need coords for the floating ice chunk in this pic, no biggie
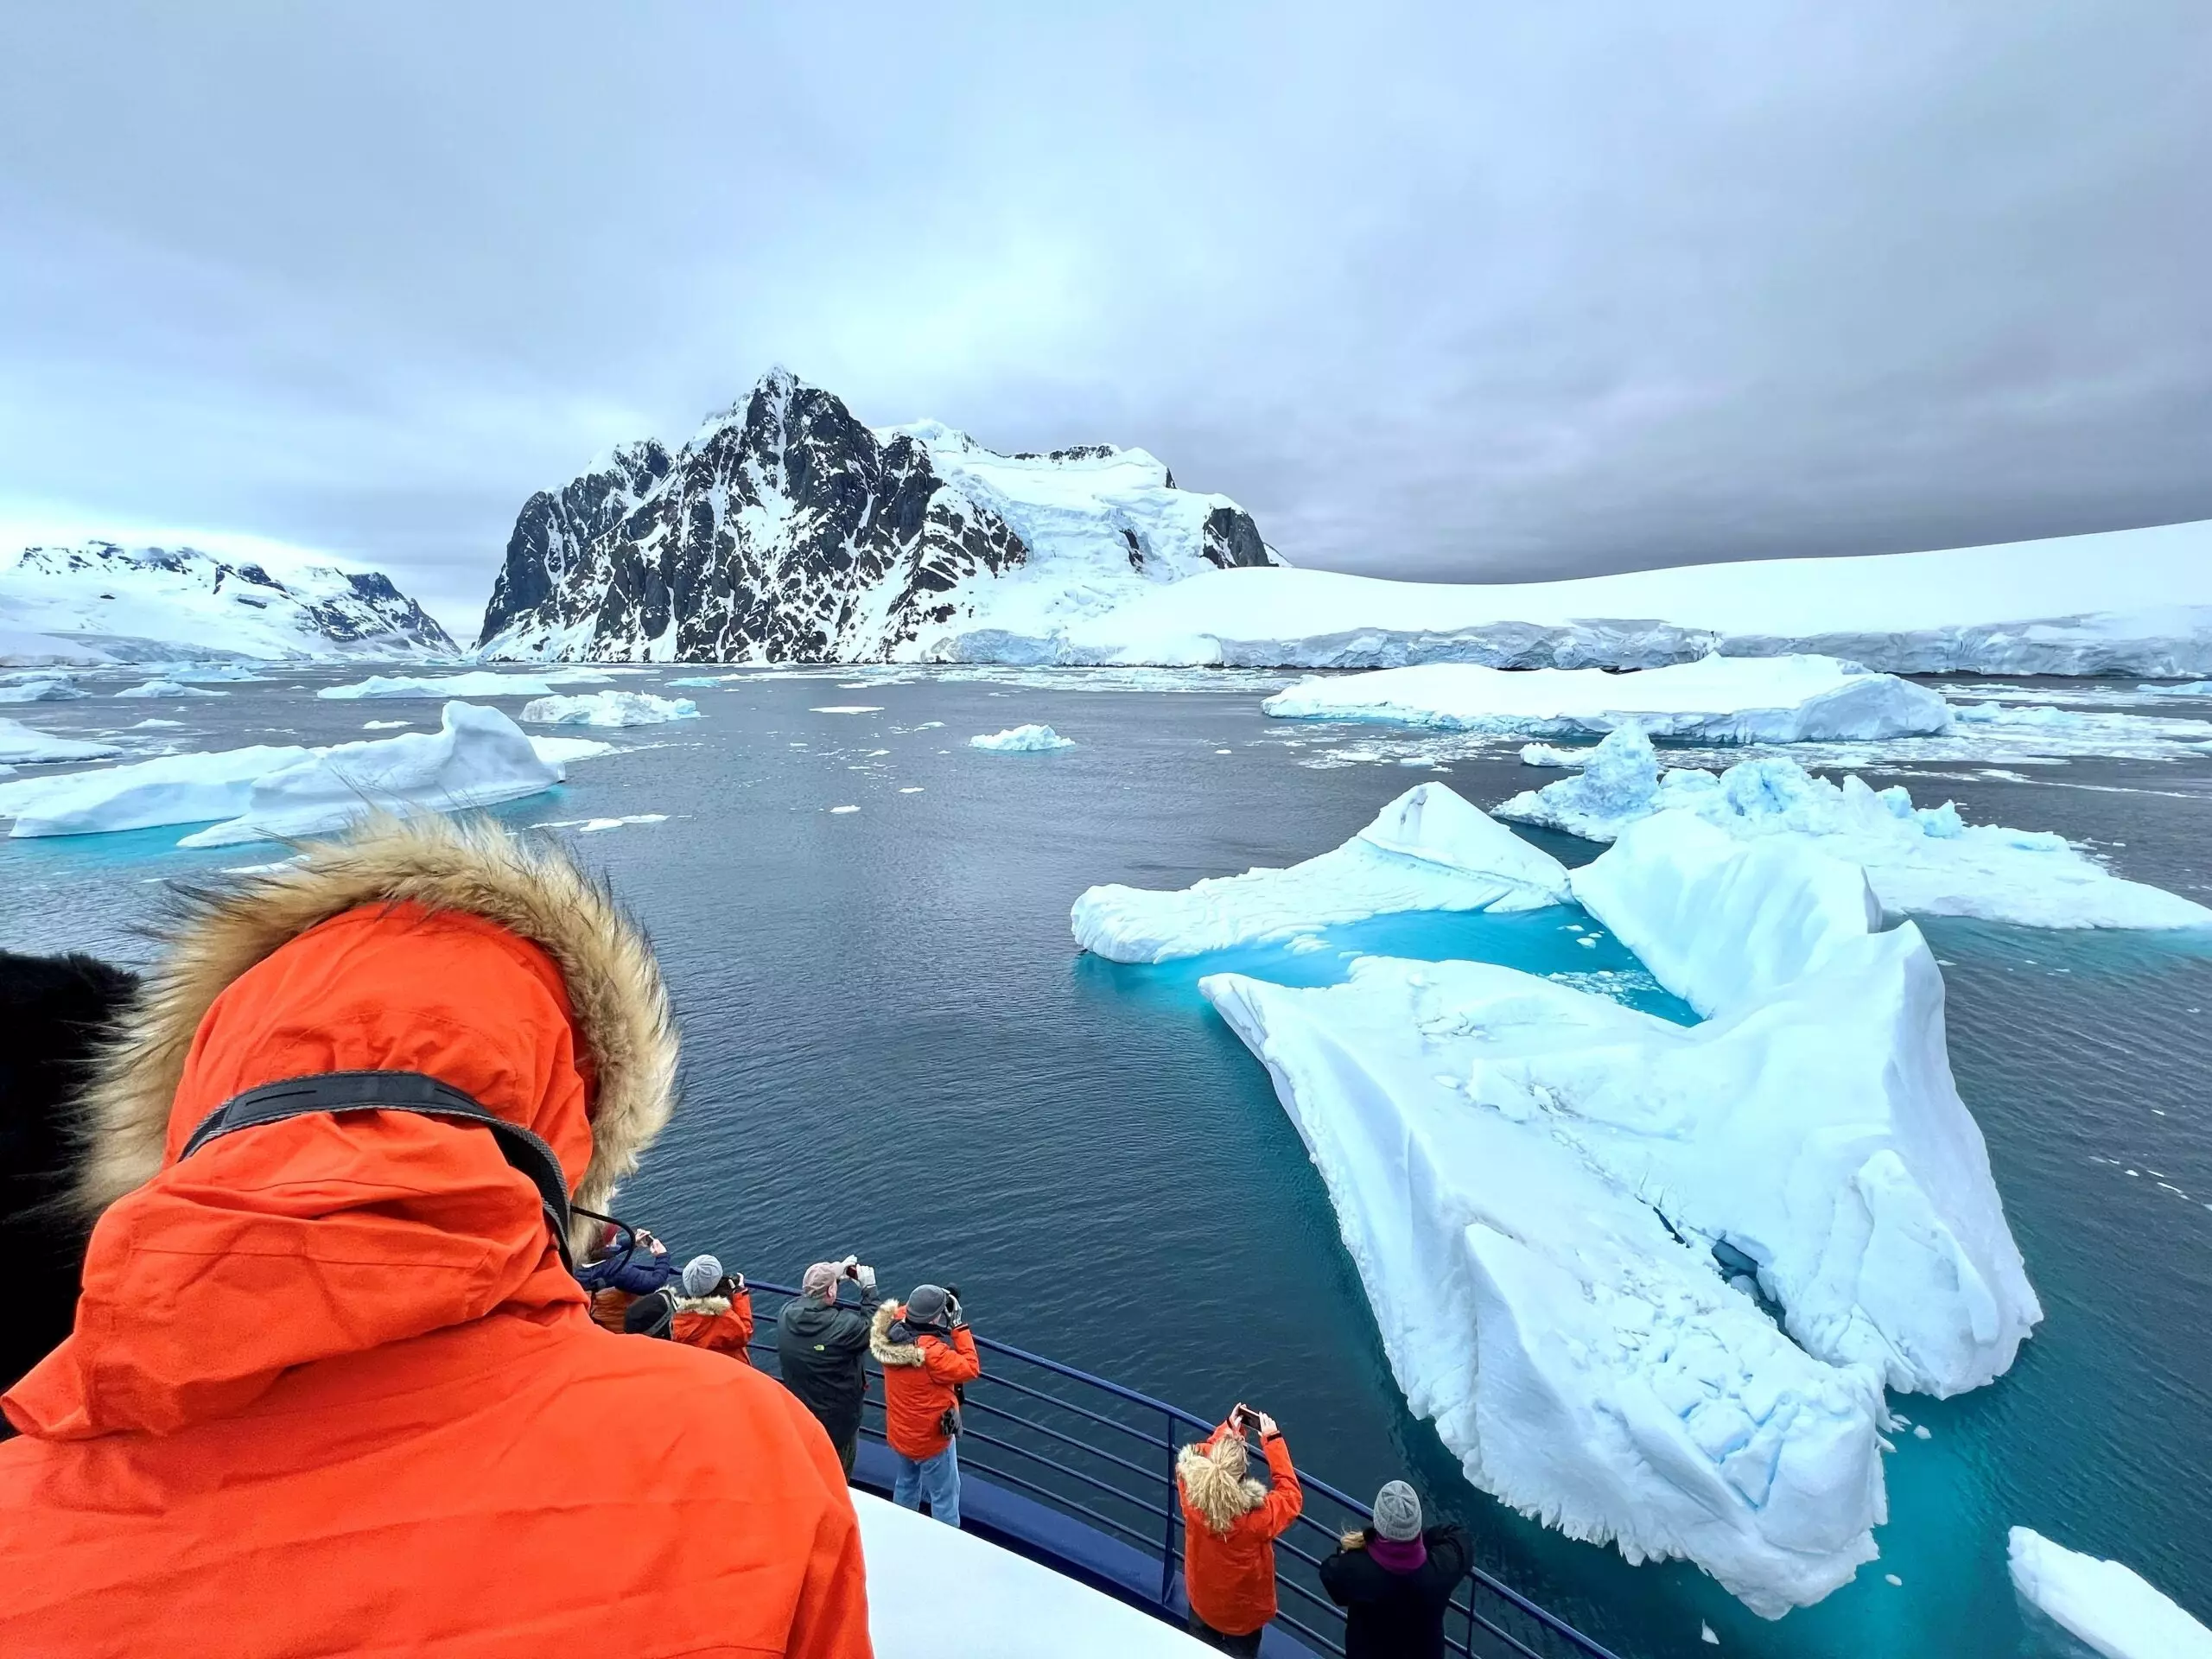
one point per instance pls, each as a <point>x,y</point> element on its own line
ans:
<point>840,810</point>
<point>154,724</point>
<point>697,682</point>
<point>21,743</point>
<point>1813,1122</point>
<point>592,826</point>
<point>847,708</point>
<point>176,789</point>
<point>1428,849</point>
<point>478,757</point>
<point>560,751</point>
<point>1584,1360</point>
<point>1022,739</point>
<point>608,708</point>
<point>1923,860</point>
<point>1716,700</point>
<point>478,683</point>
<point>1543,754</point>
<point>2102,1603</point>
<point>169,689</point>
<point>384,725</point>
<point>40,688</point>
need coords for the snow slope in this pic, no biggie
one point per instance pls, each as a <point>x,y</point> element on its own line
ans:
<point>2135,601</point>
<point>2102,1603</point>
<point>1924,861</point>
<point>1428,849</point>
<point>1716,700</point>
<point>1537,1183</point>
<point>104,603</point>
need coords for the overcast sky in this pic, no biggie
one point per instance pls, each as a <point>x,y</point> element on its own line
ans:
<point>1461,291</point>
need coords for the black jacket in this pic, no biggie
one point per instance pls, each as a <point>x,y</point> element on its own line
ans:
<point>819,1348</point>
<point>1397,1615</point>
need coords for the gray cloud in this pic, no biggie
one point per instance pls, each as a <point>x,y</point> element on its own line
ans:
<point>1463,291</point>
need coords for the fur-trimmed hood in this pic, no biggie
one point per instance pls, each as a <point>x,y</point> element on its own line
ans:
<point>880,1343</point>
<point>618,1004</point>
<point>714,1306</point>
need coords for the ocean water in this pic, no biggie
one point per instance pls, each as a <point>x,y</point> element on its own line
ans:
<point>892,1047</point>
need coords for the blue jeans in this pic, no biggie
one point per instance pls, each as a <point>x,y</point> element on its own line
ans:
<point>936,1478</point>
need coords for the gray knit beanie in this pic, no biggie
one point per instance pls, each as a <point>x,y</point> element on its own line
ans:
<point>927,1305</point>
<point>1397,1513</point>
<point>701,1275</point>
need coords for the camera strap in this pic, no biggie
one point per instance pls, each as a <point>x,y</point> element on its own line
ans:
<point>396,1091</point>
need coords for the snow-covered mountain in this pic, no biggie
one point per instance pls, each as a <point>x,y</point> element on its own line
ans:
<point>99,602</point>
<point>787,532</point>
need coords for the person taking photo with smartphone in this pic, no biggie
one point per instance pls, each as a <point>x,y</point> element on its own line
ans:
<point>1230,1523</point>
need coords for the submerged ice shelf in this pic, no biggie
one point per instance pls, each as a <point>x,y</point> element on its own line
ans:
<point>1428,849</point>
<point>1924,861</point>
<point>1539,1187</point>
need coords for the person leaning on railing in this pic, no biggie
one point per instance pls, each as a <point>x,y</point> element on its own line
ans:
<point>926,1353</point>
<point>1395,1580</point>
<point>820,1348</point>
<point>715,1310</point>
<point>1230,1523</point>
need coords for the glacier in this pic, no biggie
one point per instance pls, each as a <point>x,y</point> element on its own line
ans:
<point>22,744</point>
<point>608,708</point>
<point>1920,861</point>
<point>1539,1187</point>
<point>1021,740</point>
<point>1428,849</point>
<point>1715,699</point>
<point>2103,1604</point>
<point>478,757</point>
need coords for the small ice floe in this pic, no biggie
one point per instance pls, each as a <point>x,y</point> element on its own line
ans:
<point>45,688</point>
<point>1920,1432</point>
<point>1919,859</point>
<point>169,689</point>
<point>836,809</point>
<point>479,682</point>
<point>384,725</point>
<point>1705,1635</point>
<point>608,708</point>
<point>696,681</point>
<point>1428,849</point>
<point>847,708</point>
<point>24,745</point>
<point>1891,1577</point>
<point>1022,739</point>
<point>2102,1603</point>
<point>154,724</point>
<point>911,789</point>
<point>1543,754</point>
<point>592,826</point>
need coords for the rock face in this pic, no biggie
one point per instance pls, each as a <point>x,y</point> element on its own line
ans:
<point>139,603</point>
<point>787,532</point>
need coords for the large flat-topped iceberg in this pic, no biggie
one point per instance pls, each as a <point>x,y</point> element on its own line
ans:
<point>2103,1604</point>
<point>478,757</point>
<point>176,789</point>
<point>2135,601</point>
<point>1715,699</point>
<point>1539,1187</point>
<point>1921,860</point>
<point>21,744</point>
<point>1428,849</point>
<point>607,708</point>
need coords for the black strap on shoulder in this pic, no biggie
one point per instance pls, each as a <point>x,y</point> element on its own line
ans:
<point>395,1091</point>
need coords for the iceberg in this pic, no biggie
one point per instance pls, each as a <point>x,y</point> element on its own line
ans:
<point>608,708</point>
<point>1540,1188</point>
<point>169,689</point>
<point>1428,849</point>
<point>2101,1603</point>
<point>1793,699</point>
<point>478,757</point>
<point>40,688</point>
<point>1923,860</point>
<point>20,743</point>
<point>697,682</point>
<point>478,683</point>
<point>176,789</point>
<point>1022,739</point>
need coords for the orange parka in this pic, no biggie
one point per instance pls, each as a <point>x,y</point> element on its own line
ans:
<point>722,1325</point>
<point>918,1378</point>
<point>1230,1578</point>
<point>331,1388</point>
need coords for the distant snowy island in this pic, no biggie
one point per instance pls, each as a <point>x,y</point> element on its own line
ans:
<point>99,603</point>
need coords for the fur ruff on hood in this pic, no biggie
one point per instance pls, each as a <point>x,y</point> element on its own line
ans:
<point>617,1000</point>
<point>714,1305</point>
<point>1216,1484</point>
<point>880,1343</point>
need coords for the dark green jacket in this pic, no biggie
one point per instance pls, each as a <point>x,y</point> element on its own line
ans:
<point>820,1349</point>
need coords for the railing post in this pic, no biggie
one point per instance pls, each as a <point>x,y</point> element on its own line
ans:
<point>1167,1532</point>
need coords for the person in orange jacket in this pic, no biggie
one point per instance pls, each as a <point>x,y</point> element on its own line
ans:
<point>716,1310</point>
<point>927,1352</point>
<point>1230,1523</point>
<point>332,1385</point>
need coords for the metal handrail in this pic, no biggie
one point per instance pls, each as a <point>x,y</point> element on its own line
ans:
<point>1160,1501</point>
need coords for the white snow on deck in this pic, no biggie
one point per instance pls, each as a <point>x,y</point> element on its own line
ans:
<point>934,1592</point>
<point>2101,1603</point>
<point>1719,699</point>
<point>1428,849</point>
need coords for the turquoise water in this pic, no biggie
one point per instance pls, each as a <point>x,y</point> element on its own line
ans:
<point>893,1047</point>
